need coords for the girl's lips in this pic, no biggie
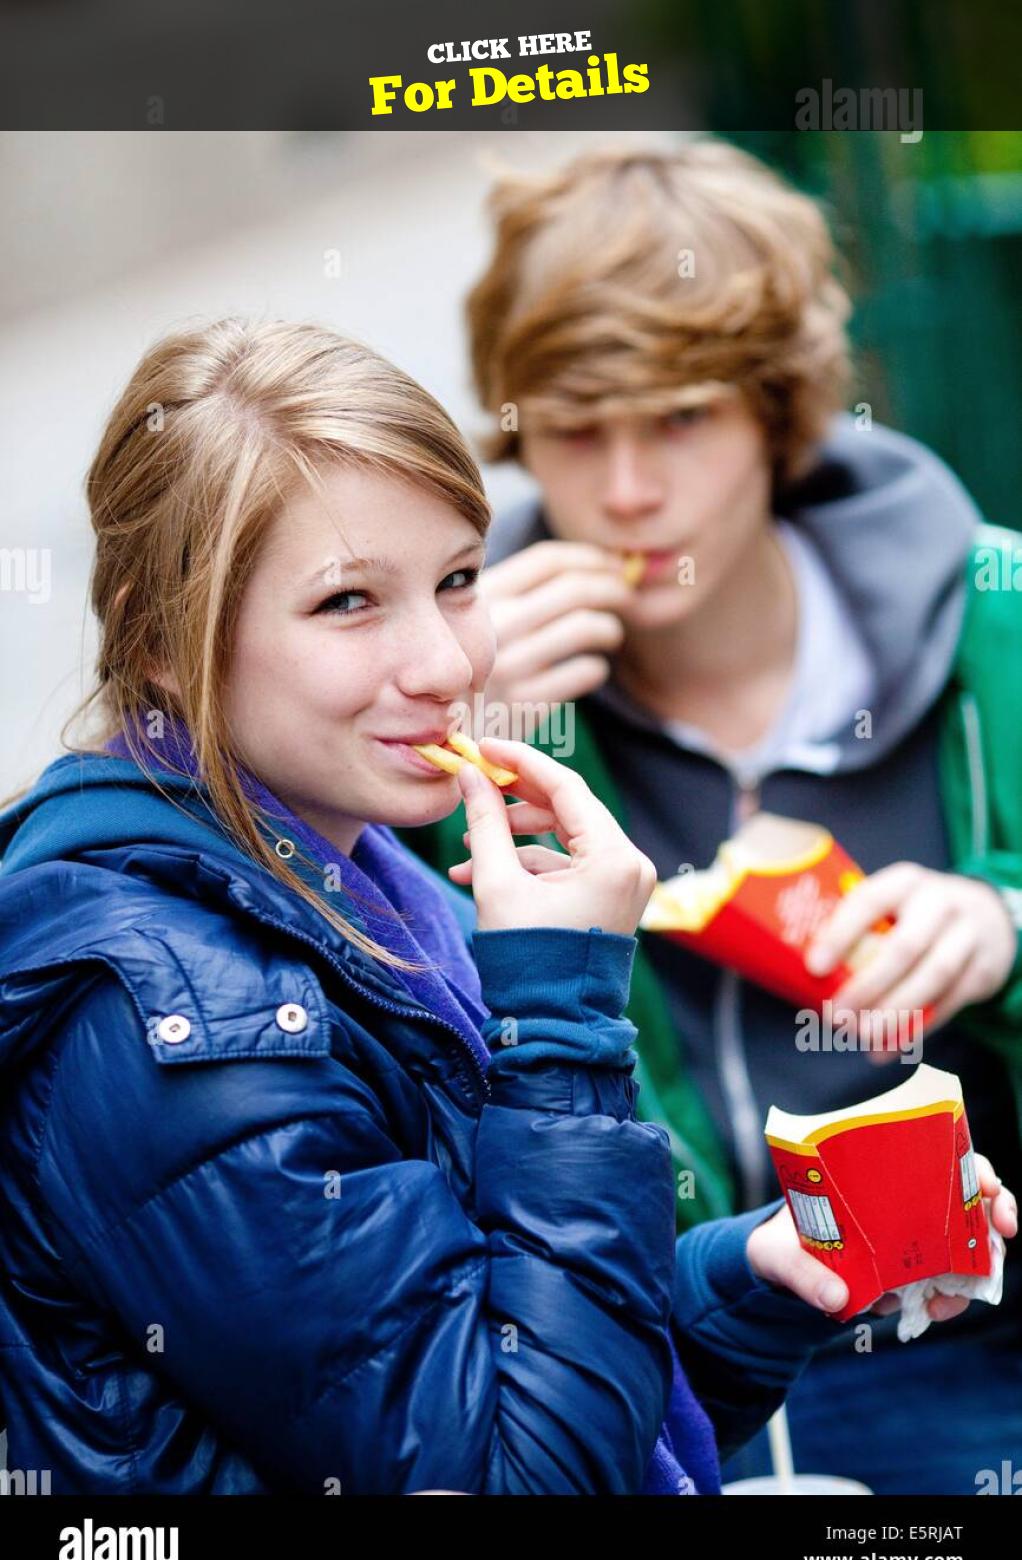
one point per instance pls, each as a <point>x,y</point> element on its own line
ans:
<point>406,756</point>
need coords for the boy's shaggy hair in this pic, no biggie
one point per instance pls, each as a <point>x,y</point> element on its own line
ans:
<point>642,282</point>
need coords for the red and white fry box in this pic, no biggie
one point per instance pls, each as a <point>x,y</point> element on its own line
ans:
<point>886,1192</point>
<point>758,906</point>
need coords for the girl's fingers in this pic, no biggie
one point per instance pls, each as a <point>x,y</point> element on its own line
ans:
<point>533,858</point>
<point>990,1182</point>
<point>493,850</point>
<point>527,818</point>
<point>584,820</point>
<point>943,1307</point>
<point>1004,1214</point>
<point>1003,1204</point>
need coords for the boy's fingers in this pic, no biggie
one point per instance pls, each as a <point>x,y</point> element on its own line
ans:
<point>543,561</point>
<point>574,633</point>
<point>867,903</point>
<point>570,679</point>
<point>595,590</point>
<point>929,981</point>
<point>894,954</point>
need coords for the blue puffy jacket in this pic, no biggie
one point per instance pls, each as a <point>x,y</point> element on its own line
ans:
<point>266,1226</point>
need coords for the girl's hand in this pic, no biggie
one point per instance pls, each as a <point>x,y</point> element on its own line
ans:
<point>776,1254</point>
<point>603,881</point>
<point>554,608</point>
<point>953,944</point>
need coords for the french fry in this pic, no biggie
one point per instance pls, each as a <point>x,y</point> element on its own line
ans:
<point>634,567</point>
<point>456,750</point>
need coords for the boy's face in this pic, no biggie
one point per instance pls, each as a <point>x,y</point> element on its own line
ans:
<point>691,489</point>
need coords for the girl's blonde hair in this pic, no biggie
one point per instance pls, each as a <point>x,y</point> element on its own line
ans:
<point>647,281</point>
<point>216,428</point>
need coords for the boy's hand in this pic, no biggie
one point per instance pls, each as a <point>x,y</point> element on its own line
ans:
<point>953,944</point>
<point>775,1254</point>
<point>555,610</point>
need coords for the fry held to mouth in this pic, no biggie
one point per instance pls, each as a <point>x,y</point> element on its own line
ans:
<point>458,748</point>
<point>634,567</point>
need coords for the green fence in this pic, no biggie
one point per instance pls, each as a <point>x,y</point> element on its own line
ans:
<point>932,232</point>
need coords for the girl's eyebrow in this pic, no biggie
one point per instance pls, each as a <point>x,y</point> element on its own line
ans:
<point>379,565</point>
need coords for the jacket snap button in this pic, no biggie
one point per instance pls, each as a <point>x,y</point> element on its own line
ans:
<point>292,1017</point>
<point>173,1029</point>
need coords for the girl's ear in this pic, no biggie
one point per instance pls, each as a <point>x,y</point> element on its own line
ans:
<point>167,681</point>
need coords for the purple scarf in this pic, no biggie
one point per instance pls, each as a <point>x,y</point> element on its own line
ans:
<point>379,863</point>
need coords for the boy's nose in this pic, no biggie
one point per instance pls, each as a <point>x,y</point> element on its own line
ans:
<point>632,488</point>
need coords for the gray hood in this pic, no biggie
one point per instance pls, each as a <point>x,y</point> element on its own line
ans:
<point>894,527</point>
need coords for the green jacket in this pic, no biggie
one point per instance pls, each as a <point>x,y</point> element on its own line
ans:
<point>981,783</point>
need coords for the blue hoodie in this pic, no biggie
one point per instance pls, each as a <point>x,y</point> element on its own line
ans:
<point>742,1339</point>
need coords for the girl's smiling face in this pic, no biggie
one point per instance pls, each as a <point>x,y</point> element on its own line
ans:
<point>360,625</point>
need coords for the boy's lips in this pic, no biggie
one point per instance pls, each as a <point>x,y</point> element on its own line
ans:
<point>655,562</point>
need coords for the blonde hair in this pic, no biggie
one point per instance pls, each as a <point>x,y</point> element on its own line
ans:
<point>216,426</point>
<point>648,281</point>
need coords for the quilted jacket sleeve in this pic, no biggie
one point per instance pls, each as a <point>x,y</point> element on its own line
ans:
<point>328,1305</point>
<point>743,1341</point>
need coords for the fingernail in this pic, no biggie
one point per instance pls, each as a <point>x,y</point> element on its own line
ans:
<point>832,1295</point>
<point>818,961</point>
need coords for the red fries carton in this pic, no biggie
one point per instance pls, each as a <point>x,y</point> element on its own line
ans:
<point>758,907</point>
<point>886,1192</point>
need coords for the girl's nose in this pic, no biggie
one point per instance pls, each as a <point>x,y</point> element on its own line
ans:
<point>433,661</point>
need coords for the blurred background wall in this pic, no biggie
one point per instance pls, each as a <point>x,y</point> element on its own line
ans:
<point>112,238</point>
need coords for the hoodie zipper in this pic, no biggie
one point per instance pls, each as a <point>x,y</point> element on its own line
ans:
<point>729,1043</point>
<point>464,1049</point>
<point>977,774</point>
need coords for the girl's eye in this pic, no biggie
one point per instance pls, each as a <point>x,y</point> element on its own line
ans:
<point>334,606</point>
<point>469,577</point>
<point>342,595</point>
